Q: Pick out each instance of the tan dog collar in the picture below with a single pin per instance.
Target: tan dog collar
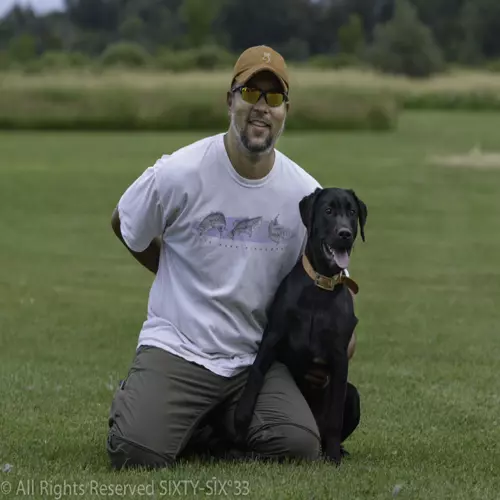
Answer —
(326, 282)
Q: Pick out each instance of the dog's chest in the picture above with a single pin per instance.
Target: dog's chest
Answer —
(324, 323)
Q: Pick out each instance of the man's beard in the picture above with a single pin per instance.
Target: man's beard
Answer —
(260, 148)
(255, 149)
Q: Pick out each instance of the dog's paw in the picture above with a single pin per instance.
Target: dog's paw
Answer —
(242, 419)
(333, 453)
(334, 458)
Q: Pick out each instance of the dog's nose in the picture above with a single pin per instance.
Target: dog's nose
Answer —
(345, 233)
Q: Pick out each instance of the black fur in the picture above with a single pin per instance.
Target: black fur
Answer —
(307, 322)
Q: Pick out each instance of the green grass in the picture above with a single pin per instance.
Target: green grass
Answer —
(72, 301)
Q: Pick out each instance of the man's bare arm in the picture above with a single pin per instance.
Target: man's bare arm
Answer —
(149, 258)
(352, 344)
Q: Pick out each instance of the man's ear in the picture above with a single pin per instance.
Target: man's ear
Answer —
(306, 208)
(362, 214)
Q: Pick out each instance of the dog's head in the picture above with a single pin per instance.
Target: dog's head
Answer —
(332, 217)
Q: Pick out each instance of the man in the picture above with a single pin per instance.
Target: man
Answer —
(218, 223)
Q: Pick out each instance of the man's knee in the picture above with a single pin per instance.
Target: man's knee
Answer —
(125, 454)
(300, 443)
(288, 441)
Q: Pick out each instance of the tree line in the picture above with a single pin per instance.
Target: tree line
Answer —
(415, 37)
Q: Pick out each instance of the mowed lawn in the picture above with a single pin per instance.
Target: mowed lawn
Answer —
(72, 301)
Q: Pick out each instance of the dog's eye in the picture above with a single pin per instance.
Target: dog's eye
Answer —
(328, 210)
(352, 212)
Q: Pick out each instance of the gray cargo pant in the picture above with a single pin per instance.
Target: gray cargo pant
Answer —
(168, 408)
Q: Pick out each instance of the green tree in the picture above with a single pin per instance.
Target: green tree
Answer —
(489, 27)
(351, 36)
(131, 29)
(199, 16)
(405, 45)
(22, 48)
(127, 54)
(443, 19)
(469, 51)
(269, 22)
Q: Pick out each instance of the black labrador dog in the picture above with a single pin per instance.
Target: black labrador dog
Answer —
(312, 314)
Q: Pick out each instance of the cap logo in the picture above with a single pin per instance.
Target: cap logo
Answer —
(266, 57)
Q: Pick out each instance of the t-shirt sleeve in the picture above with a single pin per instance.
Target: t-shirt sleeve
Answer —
(145, 205)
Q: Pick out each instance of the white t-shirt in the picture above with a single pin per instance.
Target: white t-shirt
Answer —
(227, 243)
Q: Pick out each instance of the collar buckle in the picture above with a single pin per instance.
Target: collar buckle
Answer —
(326, 282)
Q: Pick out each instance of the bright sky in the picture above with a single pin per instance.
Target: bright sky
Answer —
(39, 6)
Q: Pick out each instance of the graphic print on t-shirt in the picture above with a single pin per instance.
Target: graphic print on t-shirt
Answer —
(245, 226)
(278, 233)
(176, 211)
(242, 229)
(211, 223)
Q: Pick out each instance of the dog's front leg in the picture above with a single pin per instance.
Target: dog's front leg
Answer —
(257, 373)
(333, 411)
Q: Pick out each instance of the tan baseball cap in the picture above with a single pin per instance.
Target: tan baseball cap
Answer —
(260, 58)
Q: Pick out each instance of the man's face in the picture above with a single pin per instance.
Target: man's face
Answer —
(258, 126)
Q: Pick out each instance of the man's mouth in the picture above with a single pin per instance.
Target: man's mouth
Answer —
(258, 123)
(336, 256)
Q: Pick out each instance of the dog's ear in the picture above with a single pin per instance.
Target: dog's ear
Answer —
(306, 208)
(362, 214)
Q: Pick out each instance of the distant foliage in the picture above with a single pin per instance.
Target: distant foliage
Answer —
(126, 54)
(335, 61)
(175, 106)
(209, 57)
(351, 36)
(416, 38)
(22, 48)
(405, 45)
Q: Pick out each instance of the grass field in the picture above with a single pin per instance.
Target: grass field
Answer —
(72, 301)
(321, 100)
(455, 80)
(464, 89)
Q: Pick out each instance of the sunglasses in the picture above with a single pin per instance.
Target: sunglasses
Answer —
(252, 96)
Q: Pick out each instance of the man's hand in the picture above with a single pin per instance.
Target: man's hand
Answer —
(150, 258)
(318, 376)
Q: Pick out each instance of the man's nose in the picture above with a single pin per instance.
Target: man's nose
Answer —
(261, 104)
